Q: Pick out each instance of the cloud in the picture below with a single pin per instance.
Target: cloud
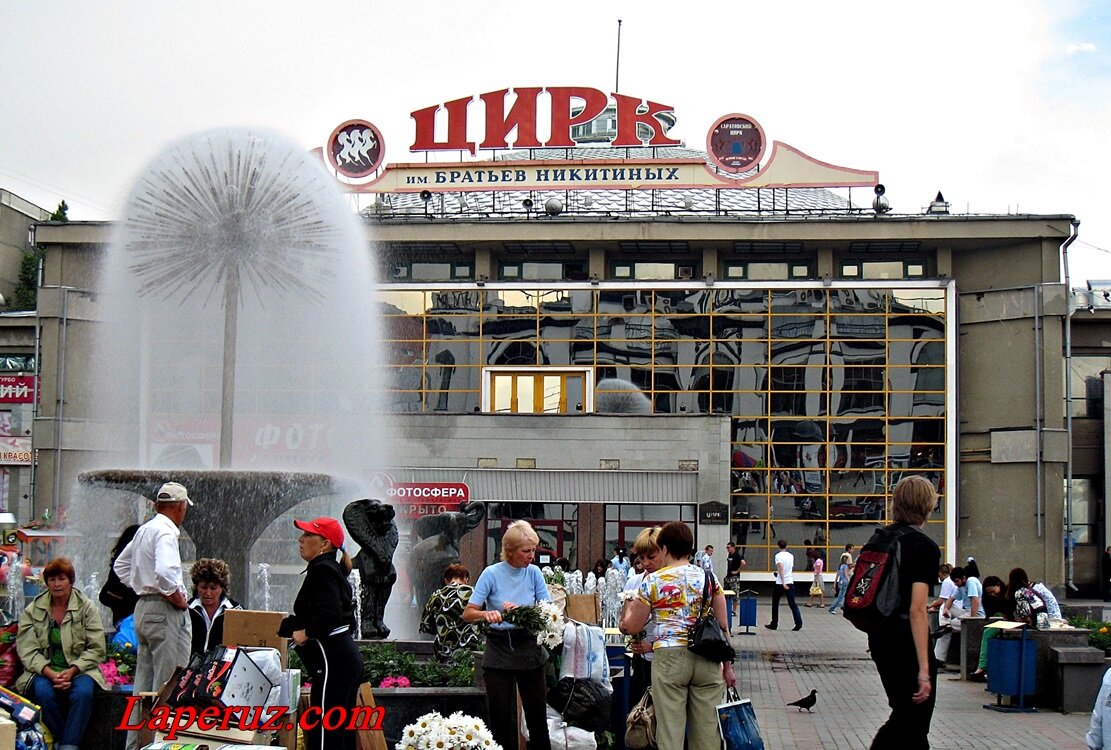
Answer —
(1072, 49)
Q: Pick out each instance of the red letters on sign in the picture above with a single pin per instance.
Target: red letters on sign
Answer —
(522, 117)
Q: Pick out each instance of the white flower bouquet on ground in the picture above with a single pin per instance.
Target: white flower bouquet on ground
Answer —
(543, 619)
(456, 732)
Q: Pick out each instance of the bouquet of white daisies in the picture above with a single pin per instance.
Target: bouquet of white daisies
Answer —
(542, 619)
(456, 732)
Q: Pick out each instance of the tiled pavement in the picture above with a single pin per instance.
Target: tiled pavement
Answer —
(828, 654)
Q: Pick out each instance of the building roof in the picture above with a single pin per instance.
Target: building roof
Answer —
(601, 203)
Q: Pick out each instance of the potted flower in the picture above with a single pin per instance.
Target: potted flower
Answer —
(119, 667)
(455, 732)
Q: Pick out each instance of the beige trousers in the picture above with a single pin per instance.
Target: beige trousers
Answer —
(686, 690)
(164, 633)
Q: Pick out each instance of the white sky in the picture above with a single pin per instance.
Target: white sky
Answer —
(1001, 104)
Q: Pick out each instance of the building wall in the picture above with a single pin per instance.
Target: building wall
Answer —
(995, 502)
(16, 217)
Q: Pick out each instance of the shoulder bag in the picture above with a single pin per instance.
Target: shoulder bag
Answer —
(706, 637)
(640, 727)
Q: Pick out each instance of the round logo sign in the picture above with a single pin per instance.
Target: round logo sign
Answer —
(356, 149)
(736, 143)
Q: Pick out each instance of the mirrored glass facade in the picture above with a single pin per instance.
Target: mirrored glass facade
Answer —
(834, 393)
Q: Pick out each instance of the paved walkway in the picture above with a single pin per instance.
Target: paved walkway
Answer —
(828, 654)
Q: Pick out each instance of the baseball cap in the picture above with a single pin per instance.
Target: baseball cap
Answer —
(172, 492)
(329, 528)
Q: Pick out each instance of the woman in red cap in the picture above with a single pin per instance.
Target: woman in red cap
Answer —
(322, 628)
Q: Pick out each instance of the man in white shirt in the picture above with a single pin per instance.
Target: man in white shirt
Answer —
(151, 566)
(706, 562)
(784, 584)
(964, 603)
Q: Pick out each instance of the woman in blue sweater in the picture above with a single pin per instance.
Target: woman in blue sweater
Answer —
(514, 661)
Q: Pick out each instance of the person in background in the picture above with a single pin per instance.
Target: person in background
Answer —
(638, 565)
(995, 605)
(812, 554)
(210, 600)
(322, 627)
(734, 562)
(843, 573)
(514, 662)
(967, 602)
(61, 644)
(640, 645)
(1099, 727)
(971, 568)
(784, 585)
(901, 648)
(443, 615)
(150, 565)
(114, 594)
(621, 560)
(948, 588)
(818, 586)
(1105, 574)
(686, 687)
(600, 568)
(706, 560)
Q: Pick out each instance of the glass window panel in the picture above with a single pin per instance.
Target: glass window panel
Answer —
(767, 271)
(502, 392)
(858, 300)
(1087, 385)
(430, 271)
(858, 326)
(553, 391)
(401, 302)
(533, 270)
(881, 269)
(659, 271)
(918, 300)
(525, 396)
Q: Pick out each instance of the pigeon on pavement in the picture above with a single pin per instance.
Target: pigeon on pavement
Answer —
(807, 702)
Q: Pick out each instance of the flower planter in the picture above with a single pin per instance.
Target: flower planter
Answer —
(403, 706)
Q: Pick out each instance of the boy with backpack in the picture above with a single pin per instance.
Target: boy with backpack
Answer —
(887, 597)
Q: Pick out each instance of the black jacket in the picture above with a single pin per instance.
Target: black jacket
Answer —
(203, 638)
(324, 602)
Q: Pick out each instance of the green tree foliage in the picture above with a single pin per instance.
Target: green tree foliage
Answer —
(26, 292)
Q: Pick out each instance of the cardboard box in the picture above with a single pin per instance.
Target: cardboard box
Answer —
(244, 684)
(581, 607)
(7, 732)
(249, 627)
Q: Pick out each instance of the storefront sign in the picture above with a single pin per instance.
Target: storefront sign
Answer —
(569, 106)
(15, 451)
(17, 389)
(545, 117)
(713, 513)
(416, 499)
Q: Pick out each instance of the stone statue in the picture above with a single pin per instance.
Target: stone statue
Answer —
(436, 545)
(370, 523)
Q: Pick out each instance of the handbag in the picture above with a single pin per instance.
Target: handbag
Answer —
(816, 590)
(706, 637)
(737, 723)
(640, 727)
(582, 703)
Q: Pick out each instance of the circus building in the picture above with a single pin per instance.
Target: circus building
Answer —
(598, 328)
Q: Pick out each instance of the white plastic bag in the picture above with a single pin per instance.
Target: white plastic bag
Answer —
(584, 653)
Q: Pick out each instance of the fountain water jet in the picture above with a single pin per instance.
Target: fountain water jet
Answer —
(237, 352)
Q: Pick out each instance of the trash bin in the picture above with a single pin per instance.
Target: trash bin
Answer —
(1004, 666)
(747, 604)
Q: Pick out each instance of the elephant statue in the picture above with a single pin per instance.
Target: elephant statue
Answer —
(436, 545)
(371, 523)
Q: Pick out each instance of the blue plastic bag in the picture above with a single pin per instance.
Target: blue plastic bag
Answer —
(737, 723)
(125, 635)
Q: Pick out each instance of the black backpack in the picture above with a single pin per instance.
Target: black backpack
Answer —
(873, 593)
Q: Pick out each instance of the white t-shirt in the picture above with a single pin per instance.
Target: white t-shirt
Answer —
(948, 588)
(787, 560)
